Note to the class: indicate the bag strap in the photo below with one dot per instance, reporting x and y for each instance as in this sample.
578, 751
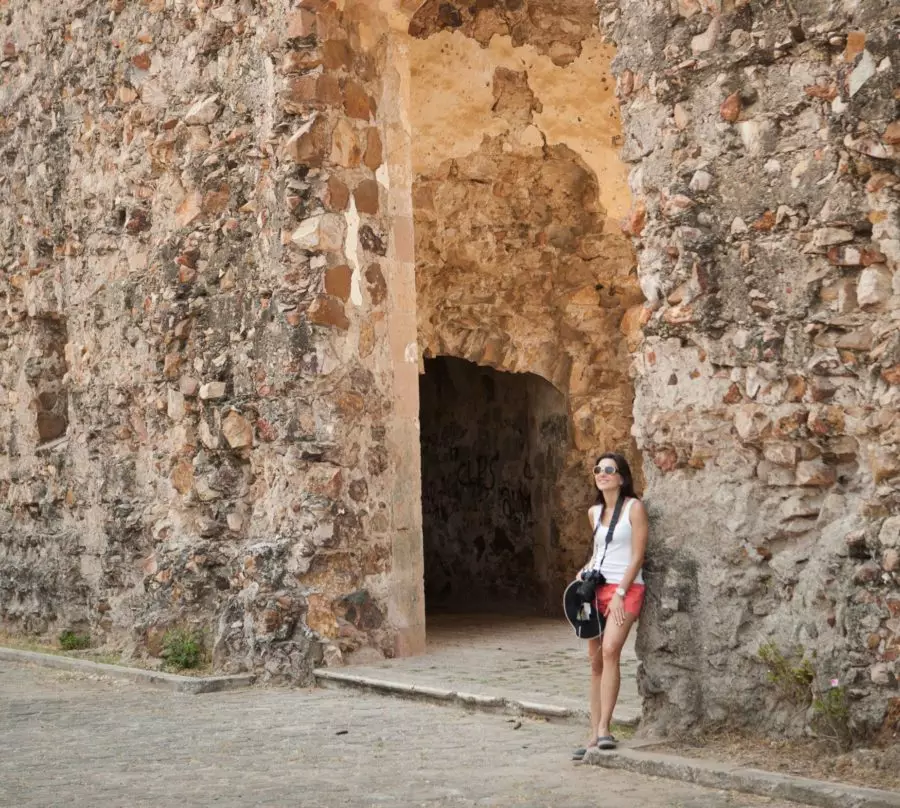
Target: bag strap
612, 526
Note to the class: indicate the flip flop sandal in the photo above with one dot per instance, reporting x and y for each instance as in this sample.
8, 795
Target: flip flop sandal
581, 751
607, 742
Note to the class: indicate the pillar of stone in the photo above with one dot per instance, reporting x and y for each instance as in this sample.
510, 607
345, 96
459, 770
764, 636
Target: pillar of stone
764, 141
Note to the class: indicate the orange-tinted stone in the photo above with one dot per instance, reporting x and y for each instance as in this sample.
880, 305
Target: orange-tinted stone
366, 197
183, 476
634, 224
328, 311
328, 90
345, 150
350, 403
891, 375
337, 281
666, 459
377, 284
733, 396
309, 148
764, 222
730, 110
216, 201
298, 94
357, 103
796, 388
856, 42
172, 365
337, 195
336, 54
374, 152
891, 135
825, 93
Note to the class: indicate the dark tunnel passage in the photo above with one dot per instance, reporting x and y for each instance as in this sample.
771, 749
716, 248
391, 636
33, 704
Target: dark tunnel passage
493, 445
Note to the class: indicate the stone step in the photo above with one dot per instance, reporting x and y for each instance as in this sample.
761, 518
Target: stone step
478, 701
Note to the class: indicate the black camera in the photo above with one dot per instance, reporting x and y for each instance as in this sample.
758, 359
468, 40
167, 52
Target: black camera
589, 583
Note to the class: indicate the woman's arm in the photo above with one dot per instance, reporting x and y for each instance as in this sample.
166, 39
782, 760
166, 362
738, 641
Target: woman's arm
590, 515
639, 530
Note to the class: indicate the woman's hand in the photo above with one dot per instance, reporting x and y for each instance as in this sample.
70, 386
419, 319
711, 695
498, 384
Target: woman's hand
617, 610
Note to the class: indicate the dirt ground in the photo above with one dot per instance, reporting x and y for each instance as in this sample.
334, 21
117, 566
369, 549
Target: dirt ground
876, 767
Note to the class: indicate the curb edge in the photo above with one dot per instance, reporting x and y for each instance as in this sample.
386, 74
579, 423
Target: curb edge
193, 685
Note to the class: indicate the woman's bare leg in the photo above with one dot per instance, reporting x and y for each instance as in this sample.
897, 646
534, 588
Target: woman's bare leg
596, 656
612, 643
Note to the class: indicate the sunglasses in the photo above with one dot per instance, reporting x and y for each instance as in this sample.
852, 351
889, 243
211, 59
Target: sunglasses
598, 469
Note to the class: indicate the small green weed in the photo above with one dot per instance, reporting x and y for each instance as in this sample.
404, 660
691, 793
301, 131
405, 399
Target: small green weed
73, 641
833, 714
796, 679
625, 731
793, 678
182, 648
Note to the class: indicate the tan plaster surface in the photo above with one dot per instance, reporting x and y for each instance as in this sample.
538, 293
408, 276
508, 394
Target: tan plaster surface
451, 100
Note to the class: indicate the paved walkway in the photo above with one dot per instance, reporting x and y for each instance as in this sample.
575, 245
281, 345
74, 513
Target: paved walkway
75, 742
524, 658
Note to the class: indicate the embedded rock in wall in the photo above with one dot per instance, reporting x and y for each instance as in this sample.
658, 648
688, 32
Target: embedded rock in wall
197, 354
765, 182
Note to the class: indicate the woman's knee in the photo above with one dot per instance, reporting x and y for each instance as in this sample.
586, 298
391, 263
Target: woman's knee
610, 653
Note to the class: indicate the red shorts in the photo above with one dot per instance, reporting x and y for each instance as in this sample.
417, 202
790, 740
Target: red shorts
634, 598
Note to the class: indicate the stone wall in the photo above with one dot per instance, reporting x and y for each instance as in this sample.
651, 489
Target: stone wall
493, 445
206, 319
764, 139
210, 317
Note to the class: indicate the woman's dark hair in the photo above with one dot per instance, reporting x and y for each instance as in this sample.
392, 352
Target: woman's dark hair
627, 489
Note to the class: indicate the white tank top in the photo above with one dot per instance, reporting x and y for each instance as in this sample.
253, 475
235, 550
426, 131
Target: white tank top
618, 554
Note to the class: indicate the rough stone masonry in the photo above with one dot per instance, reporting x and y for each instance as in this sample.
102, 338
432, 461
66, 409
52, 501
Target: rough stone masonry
232, 230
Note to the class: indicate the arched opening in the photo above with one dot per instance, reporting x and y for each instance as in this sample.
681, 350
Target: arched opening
493, 445
521, 265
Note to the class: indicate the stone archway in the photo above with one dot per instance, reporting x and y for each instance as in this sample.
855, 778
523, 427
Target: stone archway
520, 264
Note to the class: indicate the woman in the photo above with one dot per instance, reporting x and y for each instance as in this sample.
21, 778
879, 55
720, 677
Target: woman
621, 598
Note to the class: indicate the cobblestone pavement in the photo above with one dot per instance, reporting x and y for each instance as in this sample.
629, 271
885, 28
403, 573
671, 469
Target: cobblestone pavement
524, 658
79, 742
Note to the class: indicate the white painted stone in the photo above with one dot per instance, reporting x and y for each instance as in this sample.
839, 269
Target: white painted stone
875, 286
701, 181
207, 438
707, 40
738, 226
212, 390
175, 405
203, 112
889, 536
861, 73
351, 250
826, 236
320, 233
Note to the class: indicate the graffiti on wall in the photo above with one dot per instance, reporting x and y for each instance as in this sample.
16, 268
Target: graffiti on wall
480, 491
